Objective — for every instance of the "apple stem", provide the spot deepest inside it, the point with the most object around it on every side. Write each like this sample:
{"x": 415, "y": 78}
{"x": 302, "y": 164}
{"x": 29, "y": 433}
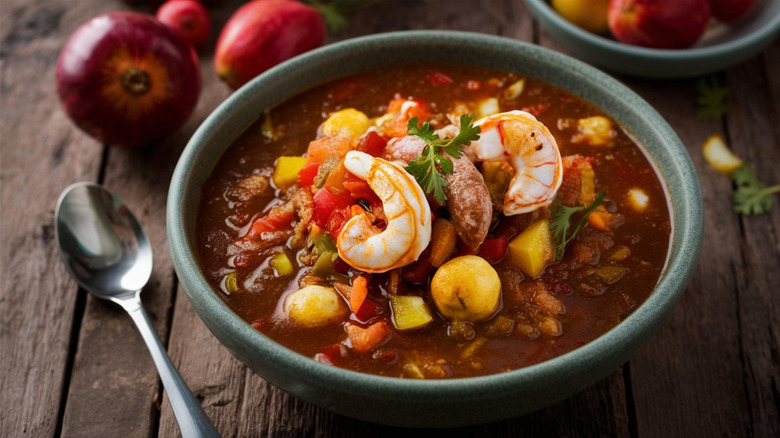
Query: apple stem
{"x": 136, "y": 81}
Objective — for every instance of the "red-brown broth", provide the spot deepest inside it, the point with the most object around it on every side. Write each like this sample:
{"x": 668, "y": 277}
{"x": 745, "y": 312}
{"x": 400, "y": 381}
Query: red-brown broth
{"x": 618, "y": 168}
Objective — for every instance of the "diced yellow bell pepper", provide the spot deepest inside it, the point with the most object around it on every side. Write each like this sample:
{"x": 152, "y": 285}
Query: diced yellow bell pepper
{"x": 286, "y": 170}
{"x": 348, "y": 122}
{"x": 409, "y": 312}
{"x": 532, "y": 249}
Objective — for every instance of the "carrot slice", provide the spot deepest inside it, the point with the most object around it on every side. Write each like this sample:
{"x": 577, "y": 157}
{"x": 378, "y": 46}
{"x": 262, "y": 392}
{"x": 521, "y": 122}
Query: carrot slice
{"x": 359, "y": 293}
{"x": 599, "y": 220}
{"x": 366, "y": 339}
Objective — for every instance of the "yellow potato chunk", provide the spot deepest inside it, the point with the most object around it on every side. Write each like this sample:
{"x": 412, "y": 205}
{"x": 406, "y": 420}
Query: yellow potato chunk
{"x": 596, "y": 131}
{"x": 315, "y": 306}
{"x": 720, "y": 156}
{"x": 466, "y": 289}
{"x": 409, "y": 312}
{"x": 531, "y": 250}
{"x": 286, "y": 170}
{"x": 348, "y": 122}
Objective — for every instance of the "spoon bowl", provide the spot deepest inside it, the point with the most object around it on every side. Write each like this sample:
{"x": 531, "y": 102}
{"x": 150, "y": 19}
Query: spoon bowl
{"x": 107, "y": 252}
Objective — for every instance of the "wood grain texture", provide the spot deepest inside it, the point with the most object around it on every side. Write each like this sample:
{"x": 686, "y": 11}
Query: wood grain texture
{"x": 41, "y": 153}
{"x": 74, "y": 366}
{"x": 751, "y": 124}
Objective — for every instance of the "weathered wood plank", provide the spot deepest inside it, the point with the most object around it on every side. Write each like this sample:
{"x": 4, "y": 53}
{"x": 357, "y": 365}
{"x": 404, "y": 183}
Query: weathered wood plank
{"x": 754, "y": 135}
{"x": 42, "y": 152}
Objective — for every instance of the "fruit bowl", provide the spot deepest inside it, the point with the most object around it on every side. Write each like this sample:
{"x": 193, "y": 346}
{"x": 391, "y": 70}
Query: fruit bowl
{"x": 721, "y": 46}
{"x": 447, "y": 402}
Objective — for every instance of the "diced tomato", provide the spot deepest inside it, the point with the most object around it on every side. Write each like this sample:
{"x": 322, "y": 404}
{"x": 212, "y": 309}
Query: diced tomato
{"x": 331, "y": 355}
{"x": 438, "y": 79}
{"x": 368, "y": 310}
{"x": 372, "y": 143}
{"x": 277, "y": 219}
{"x": 337, "y": 219}
{"x": 307, "y": 174}
{"x": 324, "y": 204}
{"x": 493, "y": 250}
{"x": 366, "y": 339}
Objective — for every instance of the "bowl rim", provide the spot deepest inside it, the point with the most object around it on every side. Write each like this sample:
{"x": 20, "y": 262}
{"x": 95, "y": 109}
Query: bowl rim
{"x": 683, "y": 252}
{"x": 690, "y": 54}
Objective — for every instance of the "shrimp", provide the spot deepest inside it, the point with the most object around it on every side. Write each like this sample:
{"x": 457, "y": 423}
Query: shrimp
{"x": 529, "y": 146}
{"x": 408, "y": 231}
{"x": 468, "y": 199}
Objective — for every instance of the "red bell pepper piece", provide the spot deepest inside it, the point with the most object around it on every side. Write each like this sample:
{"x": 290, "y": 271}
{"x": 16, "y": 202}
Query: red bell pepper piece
{"x": 372, "y": 143}
{"x": 493, "y": 250}
{"x": 368, "y": 310}
{"x": 307, "y": 174}
{"x": 325, "y": 204}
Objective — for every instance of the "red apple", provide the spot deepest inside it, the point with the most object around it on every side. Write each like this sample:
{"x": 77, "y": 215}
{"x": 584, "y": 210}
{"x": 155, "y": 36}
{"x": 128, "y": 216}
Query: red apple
{"x": 127, "y": 80}
{"x": 663, "y": 24}
{"x": 189, "y": 17}
{"x": 263, "y": 33}
{"x": 729, "y": 11}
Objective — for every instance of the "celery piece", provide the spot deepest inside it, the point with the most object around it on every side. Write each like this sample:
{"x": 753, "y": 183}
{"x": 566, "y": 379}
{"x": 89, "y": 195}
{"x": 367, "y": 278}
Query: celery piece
{"x": 323, "y": 267}
{"x": 325, "y": 243}
{"x": 610, "y": 274}
{"x": 621, "y": 252}
{"x": 409, "y": 312}
{"x": 281, "y": 262}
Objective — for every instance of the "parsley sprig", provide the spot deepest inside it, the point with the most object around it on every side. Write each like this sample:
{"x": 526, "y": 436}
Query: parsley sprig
{"x": 751, "y": 196}
{"x": 432, "y": 164}
{"x": 560, "y": 223}
{"x": 711, "y": 98}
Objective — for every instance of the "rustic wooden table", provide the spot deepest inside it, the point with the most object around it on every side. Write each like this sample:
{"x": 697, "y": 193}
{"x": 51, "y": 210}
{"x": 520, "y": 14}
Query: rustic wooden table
{"x": 72, "y": 365}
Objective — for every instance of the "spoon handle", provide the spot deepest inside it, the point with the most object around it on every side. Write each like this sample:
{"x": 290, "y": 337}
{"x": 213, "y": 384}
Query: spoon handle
{"x": 193, "y": 421}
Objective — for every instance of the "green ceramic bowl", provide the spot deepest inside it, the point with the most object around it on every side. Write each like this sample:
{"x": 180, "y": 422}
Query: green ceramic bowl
{"x": 722, "y": 46}
{"x": 434, "y": 403}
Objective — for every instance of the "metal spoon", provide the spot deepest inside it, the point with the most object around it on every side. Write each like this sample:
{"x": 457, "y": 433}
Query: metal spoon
{"x": 107, "y": 252}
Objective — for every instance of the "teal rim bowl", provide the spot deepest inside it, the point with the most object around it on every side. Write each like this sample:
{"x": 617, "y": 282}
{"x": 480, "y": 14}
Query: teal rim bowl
{"x": 722, "y": 46}
{"x": 452, "y": 402}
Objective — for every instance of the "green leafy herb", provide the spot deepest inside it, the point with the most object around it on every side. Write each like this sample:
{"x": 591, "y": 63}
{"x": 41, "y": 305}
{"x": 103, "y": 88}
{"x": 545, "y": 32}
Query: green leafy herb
{"x": 332, "y": 14}
{"x": 432, "y": 164}
{"x": 711, "y": 98}
{"x": 560, "y": 223}
{"x": 751, "y": 196}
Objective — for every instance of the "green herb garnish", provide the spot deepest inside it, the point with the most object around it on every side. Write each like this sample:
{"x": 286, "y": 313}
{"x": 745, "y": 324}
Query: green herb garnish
{"x": 711, "y": 98}
{"x": 332, "y": 14}
{"x": 432, "y": 164}
{"x": 751, "y": 196}
{"x": 560, "y": 222}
